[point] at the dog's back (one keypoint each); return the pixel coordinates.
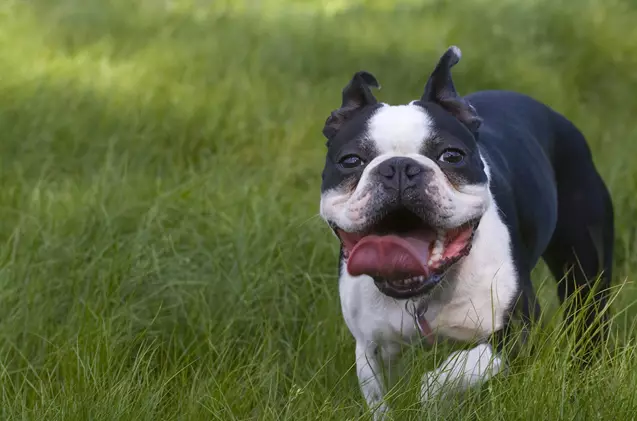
(570, 226)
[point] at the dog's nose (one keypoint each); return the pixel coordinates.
(399, 172)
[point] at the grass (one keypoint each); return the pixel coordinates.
(162, 257)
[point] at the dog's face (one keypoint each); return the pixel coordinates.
(404, 187)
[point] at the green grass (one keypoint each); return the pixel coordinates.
(162, 257)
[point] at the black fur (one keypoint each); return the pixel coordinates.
(551, 197)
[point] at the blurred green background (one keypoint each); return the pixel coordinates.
(160, 163)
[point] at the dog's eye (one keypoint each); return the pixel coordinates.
(351, 161)
(452, 156)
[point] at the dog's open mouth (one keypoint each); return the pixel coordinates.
(404, 255)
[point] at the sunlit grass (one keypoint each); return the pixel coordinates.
(160, 164)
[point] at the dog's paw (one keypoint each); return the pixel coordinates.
(461, 371)
(380, 412)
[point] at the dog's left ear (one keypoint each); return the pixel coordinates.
(440, 90)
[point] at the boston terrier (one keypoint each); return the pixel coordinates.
(443, 206)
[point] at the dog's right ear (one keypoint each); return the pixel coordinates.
(356, 95)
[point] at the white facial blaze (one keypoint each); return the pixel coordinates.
(400, 129)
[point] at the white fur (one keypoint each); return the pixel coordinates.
(400, 129)
(456, 51)
(344, 208)
(461, 371)
(470, 304)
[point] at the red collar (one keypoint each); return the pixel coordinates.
(418, 313)
(424, 329)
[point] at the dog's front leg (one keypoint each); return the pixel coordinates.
(461, 371)
(369, 356)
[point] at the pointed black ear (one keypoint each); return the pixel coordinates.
(356, 95)
(440, 89)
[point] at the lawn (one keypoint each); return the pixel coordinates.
(162, 256)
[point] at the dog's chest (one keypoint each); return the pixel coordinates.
(372, 316)
(472, 306)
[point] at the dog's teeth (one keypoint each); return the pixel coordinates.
(410, 282)
(439, 247)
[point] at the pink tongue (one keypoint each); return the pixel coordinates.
(391, 256)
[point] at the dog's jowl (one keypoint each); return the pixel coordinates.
(443, 206)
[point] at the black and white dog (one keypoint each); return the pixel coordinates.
(443, 206)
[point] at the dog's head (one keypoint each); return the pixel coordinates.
(404, 187)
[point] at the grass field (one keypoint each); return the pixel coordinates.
(162, 257)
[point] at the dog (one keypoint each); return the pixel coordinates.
(443, 206)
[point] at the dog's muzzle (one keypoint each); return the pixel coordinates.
(403, 247)
(405, 256)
